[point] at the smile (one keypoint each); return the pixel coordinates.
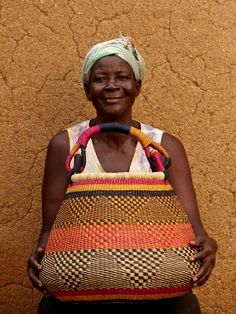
(113, 100)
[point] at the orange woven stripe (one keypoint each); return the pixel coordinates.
(74, 149)
(119, 237)
(143, 138)
(114, 187)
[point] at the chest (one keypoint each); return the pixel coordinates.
(115, 158)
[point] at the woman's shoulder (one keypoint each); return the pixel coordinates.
(171, 141)
(59, 141)
(173, 145)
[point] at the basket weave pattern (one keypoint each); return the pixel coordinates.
(119, 237)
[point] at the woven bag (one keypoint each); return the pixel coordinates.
(119, 236)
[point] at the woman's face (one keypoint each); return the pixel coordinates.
(112, 89)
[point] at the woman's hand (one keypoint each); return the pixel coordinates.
(207, 255)
(34, 267)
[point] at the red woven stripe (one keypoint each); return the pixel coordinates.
(119, 237)
(121, 291)
(122, 182)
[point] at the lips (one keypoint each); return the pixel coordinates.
(113, 99)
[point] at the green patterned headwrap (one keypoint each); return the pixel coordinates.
(121, 47)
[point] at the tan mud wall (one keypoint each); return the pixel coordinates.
(189, 90)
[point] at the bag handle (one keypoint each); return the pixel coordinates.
(153, 154)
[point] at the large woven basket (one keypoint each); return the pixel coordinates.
(119, 236)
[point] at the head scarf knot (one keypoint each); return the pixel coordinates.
(121, 47)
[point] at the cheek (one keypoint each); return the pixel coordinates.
(95, 91)
(131, 89)
(125, 85)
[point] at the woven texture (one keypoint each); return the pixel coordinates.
(119, 237)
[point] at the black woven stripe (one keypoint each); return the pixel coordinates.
(115, 127)
(119, 193)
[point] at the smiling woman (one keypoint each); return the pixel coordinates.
(112, 89)
(113, 72)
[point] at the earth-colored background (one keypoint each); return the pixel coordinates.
(189, 90)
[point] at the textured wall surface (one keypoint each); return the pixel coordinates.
(189, 90)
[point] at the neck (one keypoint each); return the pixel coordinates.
(131, 122)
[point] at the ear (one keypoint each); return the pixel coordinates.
(87, 92)
(138, 87)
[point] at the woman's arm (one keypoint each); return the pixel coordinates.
(179, 176)
(53, 192)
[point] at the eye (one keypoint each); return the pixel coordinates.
(123, 77)
(100, 79)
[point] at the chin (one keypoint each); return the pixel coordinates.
(113, 113)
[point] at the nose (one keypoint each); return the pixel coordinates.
(112, 84)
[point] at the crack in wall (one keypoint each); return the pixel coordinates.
(40, 8)
(171, 33)
(113, 18)
(71, 30)
(41, 88)
(7, 284)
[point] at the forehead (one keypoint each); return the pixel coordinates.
(111, 63)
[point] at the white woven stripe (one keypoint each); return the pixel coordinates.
(119, 175)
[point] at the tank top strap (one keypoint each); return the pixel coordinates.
(75, 131)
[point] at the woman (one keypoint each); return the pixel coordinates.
(112, 75)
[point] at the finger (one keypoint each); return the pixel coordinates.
(206, 253)
(39, 252)
(33, 263)
(201, 281)
(36, 282)
(203, 277)
(200, 256)
(198, 241)
(204, 272)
